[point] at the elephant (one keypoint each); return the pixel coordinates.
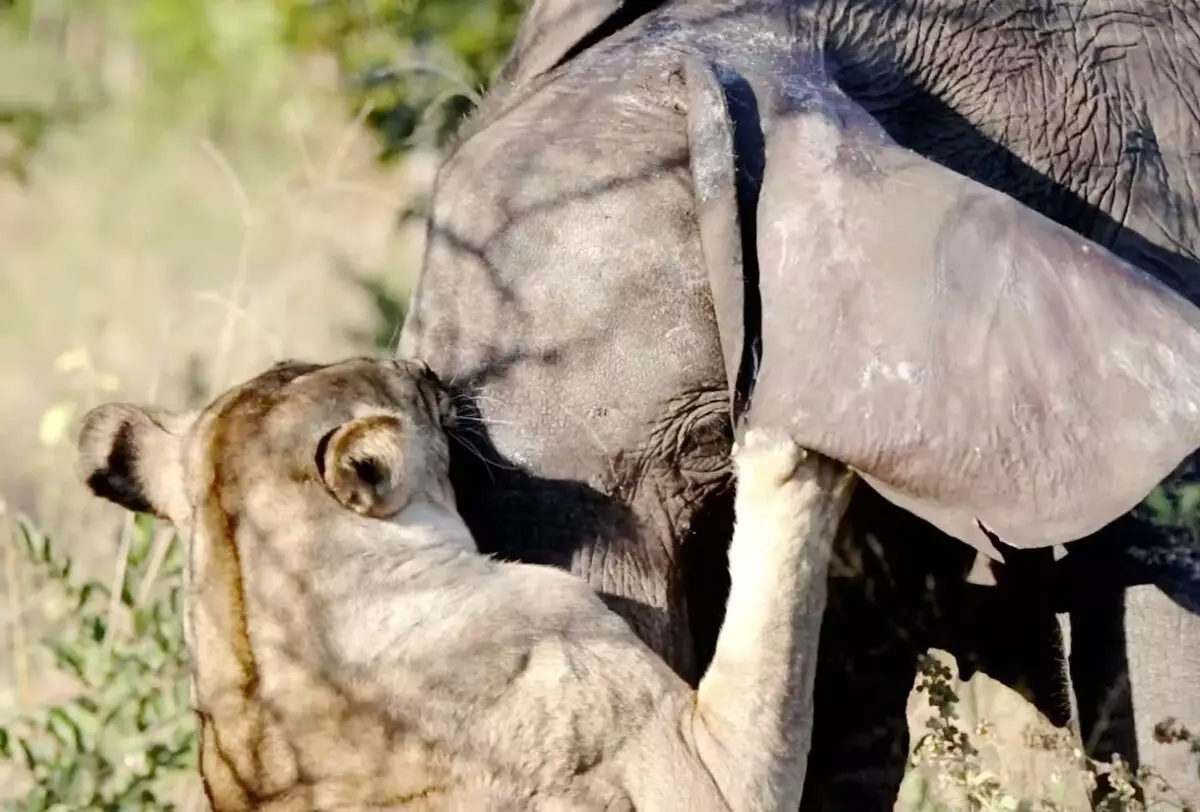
(952, 245)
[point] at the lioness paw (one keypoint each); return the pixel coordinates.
(770, 466)
(767, 458)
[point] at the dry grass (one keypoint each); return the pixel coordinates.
(148, 258)
(177, 265)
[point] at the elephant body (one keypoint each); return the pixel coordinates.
(605, 277)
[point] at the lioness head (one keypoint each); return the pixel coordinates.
(367, 433)
(280, 486)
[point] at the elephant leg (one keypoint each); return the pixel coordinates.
(1135, 664)
(1022, 634)
(1134, 595)
(1064, 662)
(1098, 668)
(897, 588)
(1162, 640)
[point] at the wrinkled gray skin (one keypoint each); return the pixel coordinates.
(662, 217)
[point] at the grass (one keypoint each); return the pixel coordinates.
(176, 253)
(119, 734)
(162, 235)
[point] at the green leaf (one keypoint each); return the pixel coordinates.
(64, 728)
(86, 592)
(62, 779)
(143, 621)
(40, 799)
(1159, 505)
(31, 539)
(87, 704)
(28, 754)
(67, 658)
(45, 549)
(141, 543)
(1189, 501)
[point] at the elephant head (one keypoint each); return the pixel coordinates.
(669, 218)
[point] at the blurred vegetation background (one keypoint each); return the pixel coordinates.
(189, 189)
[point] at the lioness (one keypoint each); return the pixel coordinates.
(353, 649)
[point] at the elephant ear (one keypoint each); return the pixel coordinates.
(981, 366)
(726, 200)
(553, 31)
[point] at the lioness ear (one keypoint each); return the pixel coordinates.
(131, 456)
(362, 465)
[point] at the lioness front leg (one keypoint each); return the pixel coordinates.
(754, 704)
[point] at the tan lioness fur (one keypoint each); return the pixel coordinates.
(353, 649)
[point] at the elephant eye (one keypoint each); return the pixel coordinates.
(707, 438)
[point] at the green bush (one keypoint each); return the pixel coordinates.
(123, 738)
(408, 62)
(979, 746)
(412, 68)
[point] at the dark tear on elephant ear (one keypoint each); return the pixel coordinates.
(983, 367)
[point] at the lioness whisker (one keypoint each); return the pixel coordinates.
(479, 455)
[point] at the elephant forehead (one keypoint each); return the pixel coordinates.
(564, 279)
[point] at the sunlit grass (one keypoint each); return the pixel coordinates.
(168, 235)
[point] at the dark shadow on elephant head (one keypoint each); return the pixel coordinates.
(555, 510)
